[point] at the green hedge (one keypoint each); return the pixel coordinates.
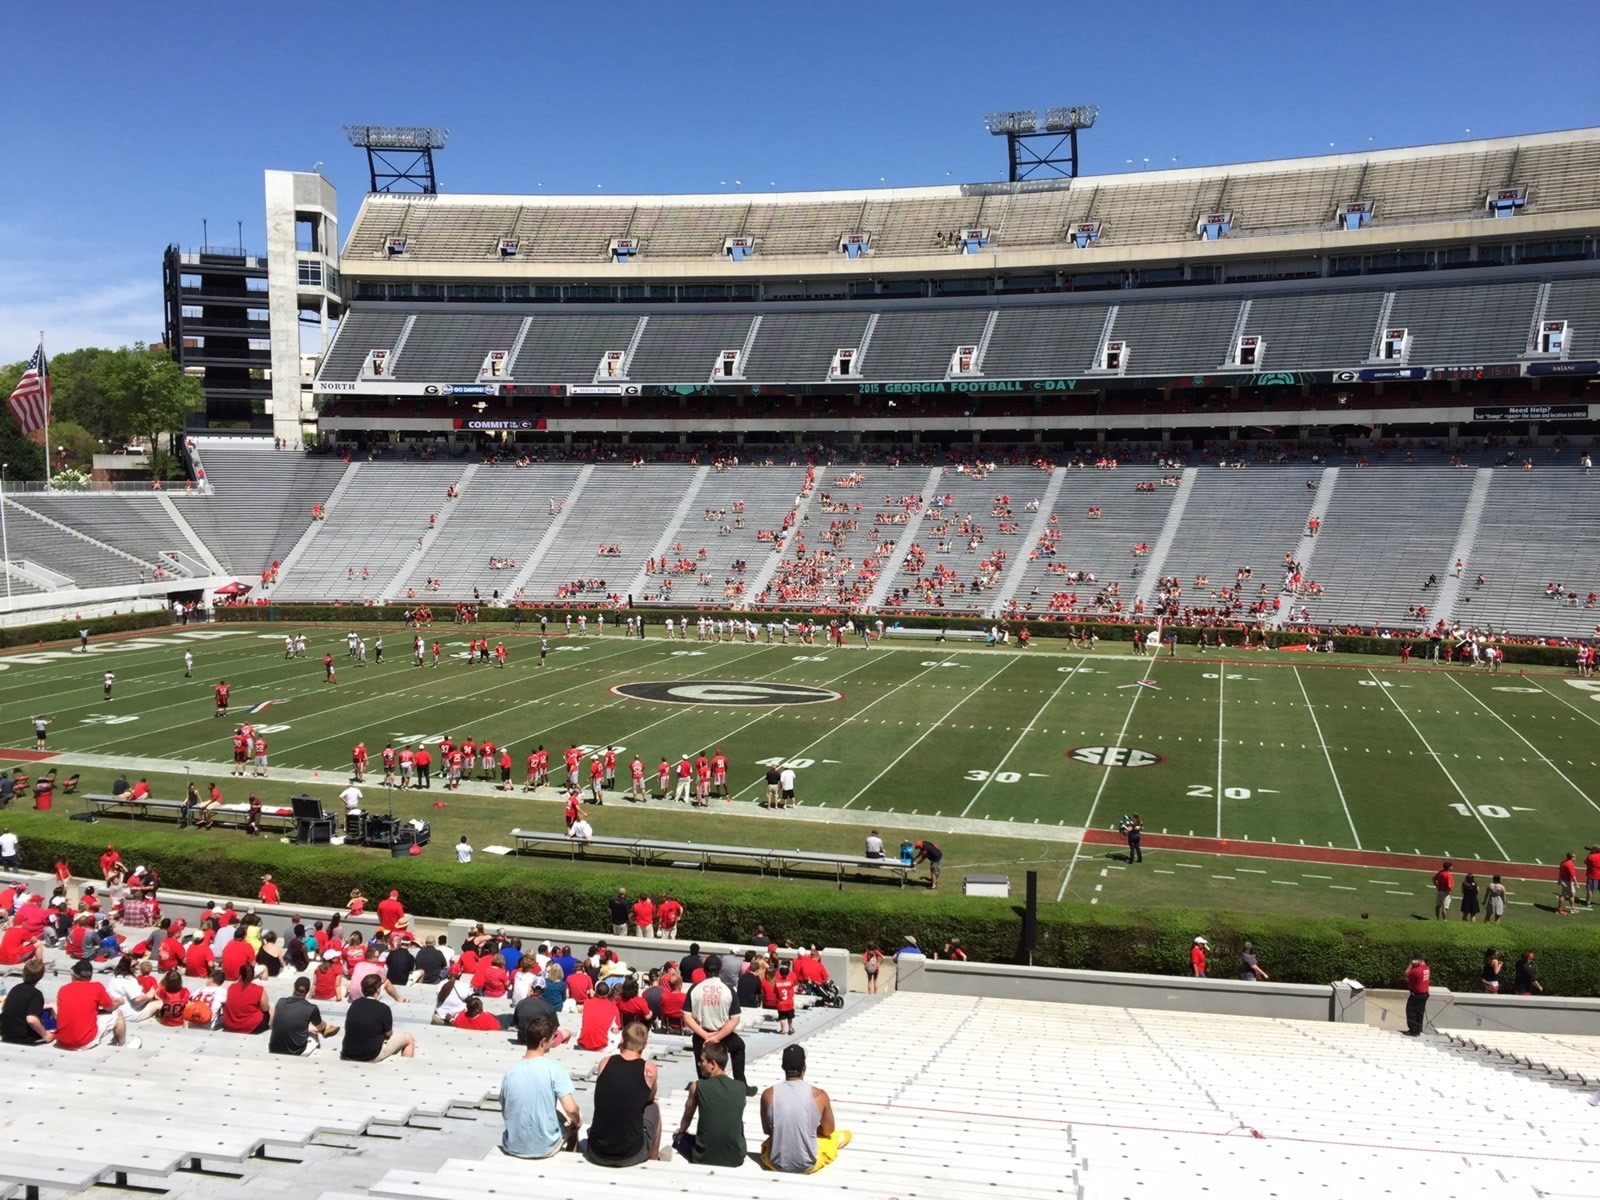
(1151, 941)
(1349, 644)
(67, 631)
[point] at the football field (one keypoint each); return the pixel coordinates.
(1264, 781)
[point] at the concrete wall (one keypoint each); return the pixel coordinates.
(1304, 1002)
(288, 193)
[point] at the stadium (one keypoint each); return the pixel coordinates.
(958, 531)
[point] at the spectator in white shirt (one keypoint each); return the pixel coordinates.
(874, 845)
(581, 830)
(786, 782)
(463, 850)
(352, 798)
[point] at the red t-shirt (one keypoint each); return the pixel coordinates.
(485, 1021)
(637, 1009)
(222, 695)
(269, 893)
(241, 1008)
(1417, 979)
(15, 946)
(171, 954)
(1197, 959)
(494, 981)
(672, 1005)
(1444, 881)
(1592, 865)
(1567, 872)
(599, 1018)
(579, 985)
(325, 983)
(78, 1008)
(389, 913)
(783, 994)
(198, 960)
(644, 912)
(769, 994)
(236, 955)
(172, 1004)
(669, 912)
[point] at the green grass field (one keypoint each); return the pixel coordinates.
(999, 755)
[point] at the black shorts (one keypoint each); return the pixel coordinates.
(240, 756)
(505, 774)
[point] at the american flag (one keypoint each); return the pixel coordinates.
(30, 399)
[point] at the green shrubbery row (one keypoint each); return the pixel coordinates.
(558, 895)
(62, 631)
(1349, 644)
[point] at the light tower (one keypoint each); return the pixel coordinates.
(399, 157)
(1058, 126)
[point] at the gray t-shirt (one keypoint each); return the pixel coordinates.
(530, 1093)
(732, 968)
(1247, 965)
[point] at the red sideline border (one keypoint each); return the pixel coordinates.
(1319, 854)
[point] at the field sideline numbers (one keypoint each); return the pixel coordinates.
(1204, 791)
(106, 719)
(999, 776)
(798, 764)
(1487, 810)
(1214, 675)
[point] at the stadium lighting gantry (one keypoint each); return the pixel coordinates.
(1060, 125)
(399, 157)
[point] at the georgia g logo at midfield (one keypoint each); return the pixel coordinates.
(713, 691)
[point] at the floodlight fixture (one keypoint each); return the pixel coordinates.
(1061, 124)
(399, 157)
(397, 137)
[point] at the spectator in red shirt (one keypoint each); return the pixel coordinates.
(808, 968)
(16, 946)
(668, 914)
(244, 1008)
(495, 980)
(1417, 978)
(1591, 871)
(579, 986)
(632, 1006)
(1567, 886)
(236, 956)
(391, 914)
(198, 959)
(269, 890)
(111, 858)
(1443, 884)
(173, 998)
(644, 917)
(327, 983)
(1197, 957)
(600, 1017)
(86, 1014)
(475, 1018)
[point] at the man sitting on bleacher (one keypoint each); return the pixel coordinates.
(297, 1024)
(536, 1097)
(798, 1121)
(86, 1014)
(369, 1028)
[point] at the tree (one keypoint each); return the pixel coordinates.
(74, 445)
(151, 393)
(78, 393)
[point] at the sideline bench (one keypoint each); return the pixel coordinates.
(936, 635)
(236, 815)
(651, 852)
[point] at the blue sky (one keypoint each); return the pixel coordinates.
(125, 130)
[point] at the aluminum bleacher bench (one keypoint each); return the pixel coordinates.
(901, 633)
(150, 806)
(650, 851)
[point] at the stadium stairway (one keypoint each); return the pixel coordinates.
(202, 551)
(1011, 582)
(303, 543)
(908, 535)
(1155, 565)
(637, 585)
(395, 588)
(770, 563)
(553, 534)
(1307, 548)
(1466, 538)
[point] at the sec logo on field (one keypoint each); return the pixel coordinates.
(1113, 756)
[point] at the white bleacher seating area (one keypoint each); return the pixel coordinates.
(840, 563)
(372, 529)
(261, 502)
(1101, 546)
(621, 506)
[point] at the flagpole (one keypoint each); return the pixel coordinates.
(5, 542)
(43, 367)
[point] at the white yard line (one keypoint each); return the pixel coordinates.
(840, 724)
(1328, 756)
(1437, 758)
(1544, 758)
(1088, 821)
(1562, 699)
(926, 733)
(1068, 678)
(1222, 674)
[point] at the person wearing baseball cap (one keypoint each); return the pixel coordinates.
(1197, 957)
(798, 1120)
